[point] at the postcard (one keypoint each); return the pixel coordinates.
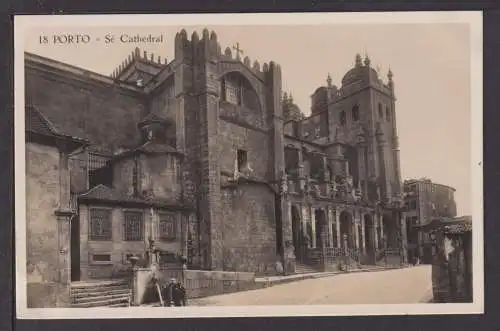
(217, 165)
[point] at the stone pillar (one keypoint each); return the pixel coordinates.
(337, 225)
(331, 223)
(375, 231)
(313, 226)
(64, 218)
(363, 234)
(404, 239)
(356, 232)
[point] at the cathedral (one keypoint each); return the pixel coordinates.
(206, 156)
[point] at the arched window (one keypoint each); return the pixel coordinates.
(342, 118)
(380, 111)
(387, 114)
(355, 113)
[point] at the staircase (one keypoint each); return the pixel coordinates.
(112, 293)
(301, 268)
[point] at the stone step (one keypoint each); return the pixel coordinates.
(99, 289)
(118, 305)
(101, 298)
(99, 292)
(102, 302)
(86, 285)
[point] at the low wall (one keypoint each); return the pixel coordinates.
(198, 283)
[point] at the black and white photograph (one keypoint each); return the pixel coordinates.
(248, 165)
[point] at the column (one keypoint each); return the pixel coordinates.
(337, 225)
(355, 225)
(313, 226)
(361, 168)
(304, 220)
(363, 234)
(375, 230)
(404, 239)
(331, 221)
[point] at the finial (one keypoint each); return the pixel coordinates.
(137, 52)
(152, 57)
(358, 60)
(285, 97)
(329, 80)
(145, 55)
(290, 98)
(389, 74)
(159, 59)
(227, 52)
(367, 60)
(166, 61)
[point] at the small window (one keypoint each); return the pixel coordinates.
(380, 111)
(168, 228)
(168, 257)
(134, 226)
(242, 160)
(342, 118)
(387, 114)
(355, 113)
(316, 132)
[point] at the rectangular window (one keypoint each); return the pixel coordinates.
(242, 160)
(100, 225)
(101, 257)
(134, 226)
(168, 228)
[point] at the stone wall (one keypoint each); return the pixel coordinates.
(43, 199)
(255, 143)
(160, 174)
(249, 229)
(104, 114)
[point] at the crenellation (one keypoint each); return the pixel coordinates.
(246, 61)
(256, 66)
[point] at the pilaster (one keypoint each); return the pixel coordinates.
(313, 225)
(337, 226)
(363, 234)
(331, 224)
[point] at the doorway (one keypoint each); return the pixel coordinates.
(75, 248)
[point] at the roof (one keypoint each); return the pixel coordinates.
(37, 122)
(457, 225)
(149, 147)
(107, 194)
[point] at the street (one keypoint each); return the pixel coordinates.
(397, 286)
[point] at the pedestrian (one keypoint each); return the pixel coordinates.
(179, 295)
(168, 293)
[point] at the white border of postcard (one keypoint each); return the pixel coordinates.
(474, 19)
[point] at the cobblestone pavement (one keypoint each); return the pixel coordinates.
(408, 285)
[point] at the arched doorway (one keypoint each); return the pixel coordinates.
(321, 238)
(297, 233)
(346, 229)
(389, 233)
(369, 234)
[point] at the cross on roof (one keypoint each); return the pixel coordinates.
(238, 50)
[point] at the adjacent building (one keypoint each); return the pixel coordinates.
(424, 202)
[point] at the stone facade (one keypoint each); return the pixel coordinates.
(424, 201)
(212, 162)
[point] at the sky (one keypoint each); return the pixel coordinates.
(430, 63)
